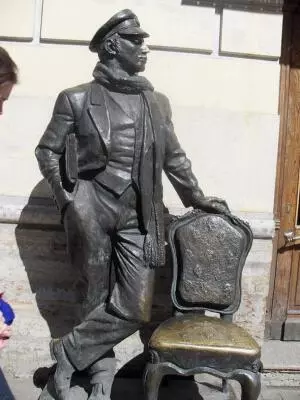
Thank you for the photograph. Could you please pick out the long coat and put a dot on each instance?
(77, 143)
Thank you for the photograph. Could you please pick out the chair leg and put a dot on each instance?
(152, 379)
(250, 384)
(225, 388)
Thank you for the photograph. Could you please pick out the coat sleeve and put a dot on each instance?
(176, 164)
(52, 145)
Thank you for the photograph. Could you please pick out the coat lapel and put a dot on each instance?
(119, 108)
(98, 112)
(152, 135)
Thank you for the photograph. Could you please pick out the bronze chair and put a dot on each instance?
(208, 253)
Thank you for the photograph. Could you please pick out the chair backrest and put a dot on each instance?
(208, 253)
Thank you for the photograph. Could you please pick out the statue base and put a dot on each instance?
(171, 389)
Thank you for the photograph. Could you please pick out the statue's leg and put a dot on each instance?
(152, 379)
(64, 370)
(130, 303)
(102, 375)
(99, 218)
(95, 336)
(225, 386)
(89, 246)
(134, 287)
(250, 384)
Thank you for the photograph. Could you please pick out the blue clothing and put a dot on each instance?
(7, 312)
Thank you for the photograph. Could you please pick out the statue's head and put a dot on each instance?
(121, 38)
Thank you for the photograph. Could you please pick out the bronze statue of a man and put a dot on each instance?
(103, 154)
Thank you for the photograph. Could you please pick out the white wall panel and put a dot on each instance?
(16, 18)
(251, 33)
(167, 21)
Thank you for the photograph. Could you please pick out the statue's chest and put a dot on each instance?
(124, 110)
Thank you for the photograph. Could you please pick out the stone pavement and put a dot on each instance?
(280, 381)
(282, 393)
(204, 388)
(285, 357)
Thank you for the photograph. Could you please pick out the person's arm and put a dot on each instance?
(178, 170)
(52, 146)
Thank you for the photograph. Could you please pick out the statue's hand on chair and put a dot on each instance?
(212, 205)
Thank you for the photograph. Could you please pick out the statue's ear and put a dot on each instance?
(111, 46)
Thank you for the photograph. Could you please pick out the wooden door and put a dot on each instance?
(284, 302)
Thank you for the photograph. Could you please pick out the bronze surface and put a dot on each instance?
(200, 333)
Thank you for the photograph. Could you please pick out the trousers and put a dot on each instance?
(105, 241)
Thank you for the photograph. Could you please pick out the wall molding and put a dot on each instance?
(266, 6)
(41, 212)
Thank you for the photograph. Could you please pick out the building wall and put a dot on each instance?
(220, 71)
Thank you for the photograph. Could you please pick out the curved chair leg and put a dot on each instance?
(225, 387)
(152, 379)
(250, 384)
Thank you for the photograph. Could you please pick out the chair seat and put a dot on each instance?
(191, 339)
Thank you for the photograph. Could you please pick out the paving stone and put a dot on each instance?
(280, 393)
(171, 389)
(204, 388)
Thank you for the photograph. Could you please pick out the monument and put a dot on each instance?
(103, 154)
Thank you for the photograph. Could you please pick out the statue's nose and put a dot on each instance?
(145, 49)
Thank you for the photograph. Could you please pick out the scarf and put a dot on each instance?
(119, 81)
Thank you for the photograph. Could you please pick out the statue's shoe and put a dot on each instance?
(102, 375)
(64, 369)
(98, 393)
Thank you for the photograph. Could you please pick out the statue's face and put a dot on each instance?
(132, 53)
(5, 89)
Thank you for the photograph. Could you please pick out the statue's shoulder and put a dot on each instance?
(160, 97)
(163, 103)
(75, 96)
(79, 90)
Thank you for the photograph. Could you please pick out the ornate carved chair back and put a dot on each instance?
(208, 253)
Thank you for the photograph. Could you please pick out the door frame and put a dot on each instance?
(275, 318)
